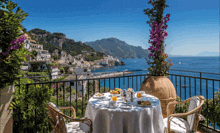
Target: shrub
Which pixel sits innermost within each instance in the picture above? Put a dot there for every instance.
(10, 26)
(30, 107)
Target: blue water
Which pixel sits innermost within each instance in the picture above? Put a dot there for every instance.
(199, 64)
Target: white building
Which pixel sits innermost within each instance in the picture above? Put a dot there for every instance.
(43, 55)
(30, 45)
(26, 66)
(55, 71)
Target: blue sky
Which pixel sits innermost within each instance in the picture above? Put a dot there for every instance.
(193, 28)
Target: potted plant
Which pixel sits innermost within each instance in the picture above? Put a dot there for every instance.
(158, 84)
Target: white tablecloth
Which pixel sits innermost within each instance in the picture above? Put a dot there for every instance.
(134, 120)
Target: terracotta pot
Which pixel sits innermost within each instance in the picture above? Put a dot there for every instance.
(5, 113)
(162, 88)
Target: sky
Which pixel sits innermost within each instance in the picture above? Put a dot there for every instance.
(193, 29)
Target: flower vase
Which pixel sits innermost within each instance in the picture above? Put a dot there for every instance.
(162, 88)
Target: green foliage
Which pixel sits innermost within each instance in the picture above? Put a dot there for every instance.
(35, 99)
(55, 57)
(35, 66)
(37, 73)
(34, 53)
(23, 81)
(93, 57)
(9, 30)
(209, 111)
(38, 31)
(62, 70)
(66, 69)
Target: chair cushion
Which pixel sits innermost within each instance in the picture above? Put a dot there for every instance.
(194, 102)
(177, 125)
(64, 124)
(77, 127)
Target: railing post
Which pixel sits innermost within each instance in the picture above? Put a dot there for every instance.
(123, 81)
(200, 83)
(76, 93)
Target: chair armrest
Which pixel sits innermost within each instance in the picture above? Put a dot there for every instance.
(175, 102)
(70, 108)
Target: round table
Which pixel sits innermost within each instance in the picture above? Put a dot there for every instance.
(134, 120)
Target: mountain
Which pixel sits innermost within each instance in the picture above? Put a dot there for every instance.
(118, 49)
(208, 53)
(52, 41)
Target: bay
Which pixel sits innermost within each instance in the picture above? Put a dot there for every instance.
(198, 64)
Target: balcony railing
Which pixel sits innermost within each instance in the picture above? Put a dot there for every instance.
(186, 83)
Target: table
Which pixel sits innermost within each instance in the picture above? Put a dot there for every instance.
(135, 120)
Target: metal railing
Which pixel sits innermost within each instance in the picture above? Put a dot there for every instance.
(193, 85)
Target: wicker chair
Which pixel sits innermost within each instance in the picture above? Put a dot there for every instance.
(175, 124)
(82, 125)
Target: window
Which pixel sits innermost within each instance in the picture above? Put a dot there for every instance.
(85, 70)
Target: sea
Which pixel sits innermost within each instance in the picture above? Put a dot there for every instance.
(197, 64)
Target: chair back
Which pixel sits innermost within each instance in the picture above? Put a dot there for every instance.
(194, 102)
(57, 120)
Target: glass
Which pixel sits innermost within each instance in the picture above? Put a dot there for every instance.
(114, 98)
(138, 95)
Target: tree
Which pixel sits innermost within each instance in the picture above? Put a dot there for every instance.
(34, 53)
(11, 56)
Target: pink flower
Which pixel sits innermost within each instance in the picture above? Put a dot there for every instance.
(158, 42)
(5, 53)
(156, 49)
(11, 48)
(165, 27)
(151, 47)
(158, 46)
(155, 22)
(168, 15)
(151, 54)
